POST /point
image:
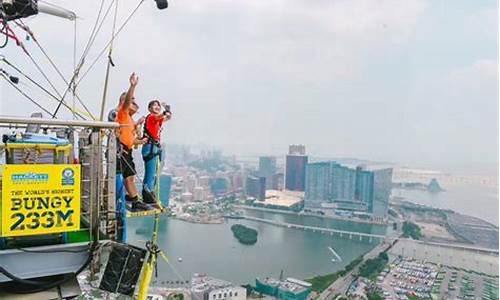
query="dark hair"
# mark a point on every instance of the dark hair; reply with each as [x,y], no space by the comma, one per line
[150,104]
[124,94]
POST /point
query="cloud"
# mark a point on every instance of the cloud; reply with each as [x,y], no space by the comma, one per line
[481,75]
[348,77]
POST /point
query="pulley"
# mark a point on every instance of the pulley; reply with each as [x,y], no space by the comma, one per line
[161,4]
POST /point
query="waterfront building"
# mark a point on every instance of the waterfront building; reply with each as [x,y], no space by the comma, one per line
[289,289]
[165,189]
[288,200]
[343,182]
[256,187]
[364,187]
[318,182]
[382,185]
[204,287]
[359,189]
[267,169]
[296,150]
[295,174]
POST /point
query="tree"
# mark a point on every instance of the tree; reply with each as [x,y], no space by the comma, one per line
[411,230]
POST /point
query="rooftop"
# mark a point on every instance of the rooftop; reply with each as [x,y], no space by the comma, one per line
[290,284]
[282,198]
[202,282]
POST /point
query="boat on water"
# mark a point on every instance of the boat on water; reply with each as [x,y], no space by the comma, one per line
[62,204]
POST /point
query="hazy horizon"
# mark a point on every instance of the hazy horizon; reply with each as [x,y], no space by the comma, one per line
[413,83]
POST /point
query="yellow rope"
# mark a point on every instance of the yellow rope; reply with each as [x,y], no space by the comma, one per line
[148,269]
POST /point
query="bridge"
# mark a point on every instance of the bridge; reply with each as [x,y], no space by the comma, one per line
[371,236]
[323,230]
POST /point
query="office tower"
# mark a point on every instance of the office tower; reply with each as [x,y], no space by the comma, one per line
[204,181]
[190,182]
[297,150]
[165,188]
[279,181]
[364,187]
[318,181]
[199,194]
[382,185]
[295,172]
[256,187]
[218,186]
[267,169]
[343,182]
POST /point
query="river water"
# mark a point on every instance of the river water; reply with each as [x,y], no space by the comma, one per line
[212,248]
[474,200]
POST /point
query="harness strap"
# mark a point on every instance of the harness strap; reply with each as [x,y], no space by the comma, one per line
[151,154]
[151,141]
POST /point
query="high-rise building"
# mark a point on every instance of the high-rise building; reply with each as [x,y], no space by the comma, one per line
[382,183]
[237,181]
[204,181]
[267,169]
[279,181]
[343,182]
[318,182]
[256,187]
[295,174]
[364,187]
[199,194]
[297,150]
[190,182]
[218,186]
[165,188]
[351,189]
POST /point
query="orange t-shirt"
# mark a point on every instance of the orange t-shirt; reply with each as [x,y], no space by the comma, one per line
[127,129]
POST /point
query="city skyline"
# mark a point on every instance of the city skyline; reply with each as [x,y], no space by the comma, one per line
[297,74]
[327,150]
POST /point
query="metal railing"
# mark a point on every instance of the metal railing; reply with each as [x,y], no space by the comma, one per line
[96,145]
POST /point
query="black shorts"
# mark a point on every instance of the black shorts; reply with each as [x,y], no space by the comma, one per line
[127,164]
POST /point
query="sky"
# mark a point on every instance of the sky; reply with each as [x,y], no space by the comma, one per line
[412,82]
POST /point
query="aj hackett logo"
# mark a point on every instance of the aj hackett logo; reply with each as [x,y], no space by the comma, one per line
[68,177]
[29,178]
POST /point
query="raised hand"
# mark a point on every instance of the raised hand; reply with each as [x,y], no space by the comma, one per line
[134,79]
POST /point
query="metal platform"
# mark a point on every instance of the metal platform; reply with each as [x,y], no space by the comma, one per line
[65,258]
[153,210]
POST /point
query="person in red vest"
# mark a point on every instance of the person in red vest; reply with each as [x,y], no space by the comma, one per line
[159,113]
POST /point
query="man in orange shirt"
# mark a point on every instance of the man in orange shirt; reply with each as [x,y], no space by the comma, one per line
[128,139]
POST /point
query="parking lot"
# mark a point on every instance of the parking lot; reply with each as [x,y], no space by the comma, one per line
[456,284]
[407,277]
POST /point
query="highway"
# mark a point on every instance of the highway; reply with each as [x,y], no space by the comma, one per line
[342,284]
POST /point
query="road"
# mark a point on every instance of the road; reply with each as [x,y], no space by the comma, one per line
[341,285]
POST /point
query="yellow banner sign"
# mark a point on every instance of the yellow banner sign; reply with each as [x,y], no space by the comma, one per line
[40,199]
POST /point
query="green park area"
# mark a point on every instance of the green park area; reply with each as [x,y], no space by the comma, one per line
[244,235]
[411,230]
